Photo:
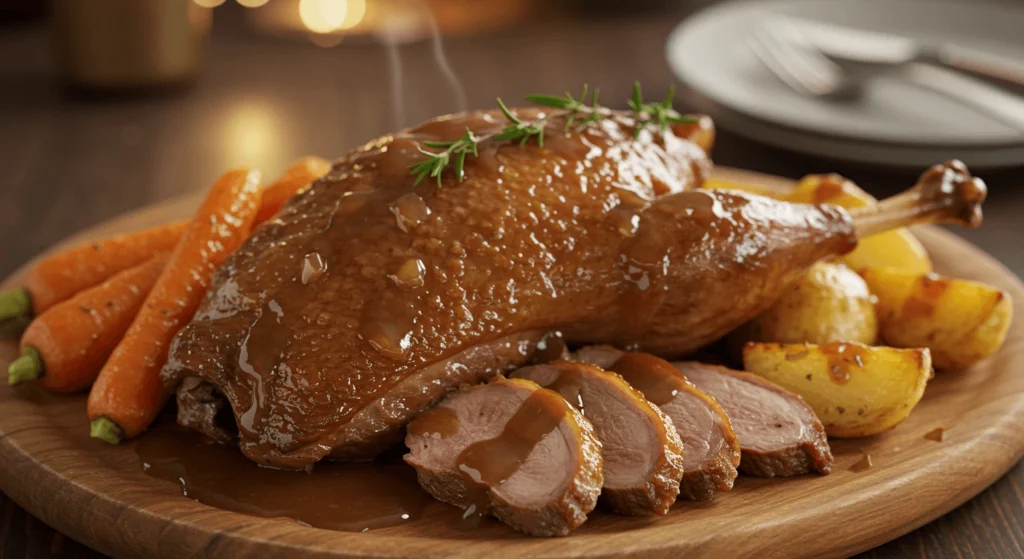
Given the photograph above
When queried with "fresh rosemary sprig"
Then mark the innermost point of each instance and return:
(435, 163)
(571, 104)
(520, 130)
(575, 110)
(662, 114)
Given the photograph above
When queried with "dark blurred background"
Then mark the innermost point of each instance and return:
(108, 105)
(111, 105)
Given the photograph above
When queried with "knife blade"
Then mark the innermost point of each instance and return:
(878, 47)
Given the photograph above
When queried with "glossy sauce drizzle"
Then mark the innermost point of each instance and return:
(489, 462)
(439, 422)
(355, 496)
(566, 378)
(655, 378)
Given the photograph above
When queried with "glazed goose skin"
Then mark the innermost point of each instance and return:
(363, 280)
(368, 298)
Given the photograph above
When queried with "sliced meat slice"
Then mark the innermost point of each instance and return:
(511, 449)
(712, 450)
(779, 433)
(600, 355)
(643, 456)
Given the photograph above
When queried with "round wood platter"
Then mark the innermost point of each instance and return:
(98, 494)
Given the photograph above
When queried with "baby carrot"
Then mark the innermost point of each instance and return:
(59, 276)
(128, 394)
(67, 345)
(300, 174)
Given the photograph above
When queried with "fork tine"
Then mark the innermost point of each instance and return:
(787, 57)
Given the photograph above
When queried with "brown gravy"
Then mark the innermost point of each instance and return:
(351, 497)
(492, 461)
(655, 378)
(437, 421)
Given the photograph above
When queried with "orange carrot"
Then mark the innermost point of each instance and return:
(59, 276)
(301, 173)
(128, 394)
(67, 345)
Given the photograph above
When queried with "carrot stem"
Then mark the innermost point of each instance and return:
(15, 303)
(29, 366)
(105, 430)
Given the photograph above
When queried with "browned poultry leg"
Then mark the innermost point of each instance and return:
(945, 193)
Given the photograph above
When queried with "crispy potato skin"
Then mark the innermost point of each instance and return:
(960, 321)
(898, 248)
(855, 390)
(830, 303)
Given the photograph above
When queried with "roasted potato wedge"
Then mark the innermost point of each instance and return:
(960, 321)
(856, 390)
(898, 248)
(830, 303)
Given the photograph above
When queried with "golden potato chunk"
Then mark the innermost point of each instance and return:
(898, 248)
(855, 390)
(960, 321)
(830, 303)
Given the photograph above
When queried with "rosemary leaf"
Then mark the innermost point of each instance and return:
(552, 101)
(508, 114)
(577, 112)
(460, 161)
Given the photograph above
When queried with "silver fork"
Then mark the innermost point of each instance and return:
(795, 59)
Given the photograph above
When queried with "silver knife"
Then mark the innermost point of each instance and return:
(876, 47)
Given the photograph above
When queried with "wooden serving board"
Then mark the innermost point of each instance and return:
(98, 494)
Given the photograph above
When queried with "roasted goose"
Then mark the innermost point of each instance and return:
(369, 298)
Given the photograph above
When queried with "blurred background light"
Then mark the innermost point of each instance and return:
(356, 13)
(252, 3)
(252, 133)
(323, 16)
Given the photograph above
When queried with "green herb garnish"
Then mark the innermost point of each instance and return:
(662, 114)
(520, 130)
(574, 106)
(576, 111)
(435, 163)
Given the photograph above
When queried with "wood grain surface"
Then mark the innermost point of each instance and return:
(67, 163)
(99, 495)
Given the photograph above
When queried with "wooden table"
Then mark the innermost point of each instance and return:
(66, 164)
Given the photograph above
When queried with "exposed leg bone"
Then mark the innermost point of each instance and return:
(945, 193)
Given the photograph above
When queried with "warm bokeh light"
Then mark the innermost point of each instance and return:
(252, 133)
(209, 3)
(356, 13)
(323, 16)
(252, 3)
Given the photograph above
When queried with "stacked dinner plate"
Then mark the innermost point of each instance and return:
(891, 120)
